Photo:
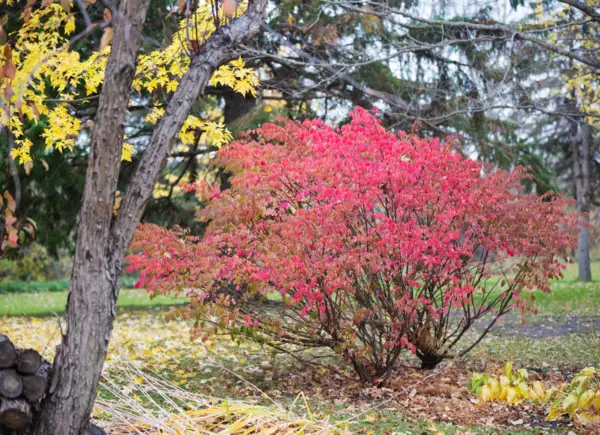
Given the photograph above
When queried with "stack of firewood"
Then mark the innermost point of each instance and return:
(24, 378)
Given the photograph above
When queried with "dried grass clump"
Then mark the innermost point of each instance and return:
(138, 402)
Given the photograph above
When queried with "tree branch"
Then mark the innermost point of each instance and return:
(523, 35)
(590, 11)
(218, 49)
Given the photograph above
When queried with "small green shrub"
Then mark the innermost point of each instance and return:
(34, 286)
(34, 263)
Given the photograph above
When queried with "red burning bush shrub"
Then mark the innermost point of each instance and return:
(365, 241)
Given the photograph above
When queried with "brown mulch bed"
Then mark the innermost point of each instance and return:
(439, 395)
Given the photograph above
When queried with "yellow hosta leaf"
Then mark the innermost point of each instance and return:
(486, 393)
(569, 404)
(537, 391)
(523, 390)
(508, 369)
(588, 372)
(589, 417)
(554, 413)
(494, 388)
(586, 399)
(511, 396)
(503, 393)
(549, 393)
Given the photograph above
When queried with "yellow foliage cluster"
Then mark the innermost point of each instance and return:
(164, 68)
(44, 75)
(213, 132)
(579, 399)
(41, 65)
(512, 387)
(236, 76)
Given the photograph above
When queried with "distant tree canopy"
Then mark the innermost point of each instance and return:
(510, 90)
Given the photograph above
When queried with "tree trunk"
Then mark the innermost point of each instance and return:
(581, 169)
(103, 239)
(236, 106)
(96, 267)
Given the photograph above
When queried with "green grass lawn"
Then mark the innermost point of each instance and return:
(571, 272)
(46, 303)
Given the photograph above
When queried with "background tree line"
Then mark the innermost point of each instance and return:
(517, 82)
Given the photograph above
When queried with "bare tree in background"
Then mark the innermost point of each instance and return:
(582, 139)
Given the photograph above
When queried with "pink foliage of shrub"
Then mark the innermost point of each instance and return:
(363, 240)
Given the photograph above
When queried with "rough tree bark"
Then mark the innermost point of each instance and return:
(96, 267)
(102, 239)
(581, 169)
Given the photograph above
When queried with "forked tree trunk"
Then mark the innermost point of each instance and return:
(103, 239)
(581, 168)
(97, 265)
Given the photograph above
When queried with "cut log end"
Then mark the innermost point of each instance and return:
(34, 387)
(8, 354)
(15, 414)
(11, 385)
(28, 361)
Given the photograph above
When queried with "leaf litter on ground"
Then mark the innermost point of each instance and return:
(201, 375)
